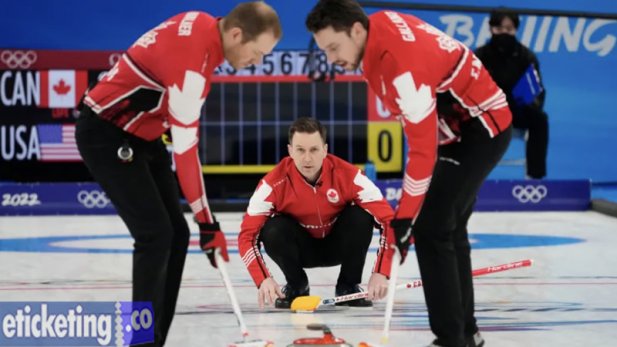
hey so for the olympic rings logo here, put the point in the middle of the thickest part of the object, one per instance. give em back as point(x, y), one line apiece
point(92, 199)
point(529, 193)
point(18, 59)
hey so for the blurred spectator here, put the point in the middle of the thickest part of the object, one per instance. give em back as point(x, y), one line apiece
point(516, 70)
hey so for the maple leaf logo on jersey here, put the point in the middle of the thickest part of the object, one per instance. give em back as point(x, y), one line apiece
point(62, 88)
point(332, 196)
point(416, 103)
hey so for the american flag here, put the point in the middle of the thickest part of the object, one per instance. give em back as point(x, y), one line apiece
point(57, 142)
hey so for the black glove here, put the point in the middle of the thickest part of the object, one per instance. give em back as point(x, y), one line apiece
point(403, 235)
point(210, 238)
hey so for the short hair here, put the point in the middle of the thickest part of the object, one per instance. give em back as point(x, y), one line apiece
point(340, 14)
point(253, 18)
point(307, 125)
point(499, 14)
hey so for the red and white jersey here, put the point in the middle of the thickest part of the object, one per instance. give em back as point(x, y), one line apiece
point(316, 208)
point(406, 63)
point(161, 83)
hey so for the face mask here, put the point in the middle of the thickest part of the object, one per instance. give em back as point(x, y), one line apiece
point(504, 43)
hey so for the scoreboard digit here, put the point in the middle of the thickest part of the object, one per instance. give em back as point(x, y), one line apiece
point(385, 137)
point(385, 146)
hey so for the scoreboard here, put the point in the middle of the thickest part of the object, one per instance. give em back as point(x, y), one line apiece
point(248, 112)
point(245, 118)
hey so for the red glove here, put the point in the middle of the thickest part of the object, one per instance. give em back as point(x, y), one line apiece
point(210, 238)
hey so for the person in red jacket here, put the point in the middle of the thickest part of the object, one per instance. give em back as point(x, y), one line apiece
point(315, 210)
point(160, 85)
point(442, 95)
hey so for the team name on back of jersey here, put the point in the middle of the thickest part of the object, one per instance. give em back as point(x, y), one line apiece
point(186, 25)
point(446, 42)
point(401, 25)
point(150, 37)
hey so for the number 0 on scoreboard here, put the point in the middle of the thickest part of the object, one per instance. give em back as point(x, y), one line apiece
point(385, 146)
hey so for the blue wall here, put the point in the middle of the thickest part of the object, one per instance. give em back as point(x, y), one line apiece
point(580, 71)
point(115, 24)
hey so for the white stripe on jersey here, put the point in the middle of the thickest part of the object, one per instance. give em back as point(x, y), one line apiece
point(200, 204)
point(496, 101)
point(486, 103)
point(416, 187)
point(141, 74)
point(249, 257)
point(490, 131)
point(448, 135)
point(140, 114)
point(442, 86)
point(98, 108)
point(475, 111)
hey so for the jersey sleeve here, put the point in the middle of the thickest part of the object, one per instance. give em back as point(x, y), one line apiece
point(416, 99)
point(368, 196)
point(261, 207)
point(184, 109)
point(186, 87)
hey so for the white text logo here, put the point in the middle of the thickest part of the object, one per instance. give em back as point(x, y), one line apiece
point(540, 33)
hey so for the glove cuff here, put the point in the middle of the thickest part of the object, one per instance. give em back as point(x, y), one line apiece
point(209, 226)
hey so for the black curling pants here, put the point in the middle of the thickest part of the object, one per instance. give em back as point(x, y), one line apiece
point(146, 196)
point(441, 240)
point(293, 249)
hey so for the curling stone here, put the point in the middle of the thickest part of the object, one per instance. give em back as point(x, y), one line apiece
point(327, 340)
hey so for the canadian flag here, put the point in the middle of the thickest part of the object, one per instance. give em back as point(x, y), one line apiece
point(62, 88)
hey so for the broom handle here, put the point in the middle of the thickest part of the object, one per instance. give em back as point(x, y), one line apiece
point(220, 263)
point(418, 283)
point(385, 336)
